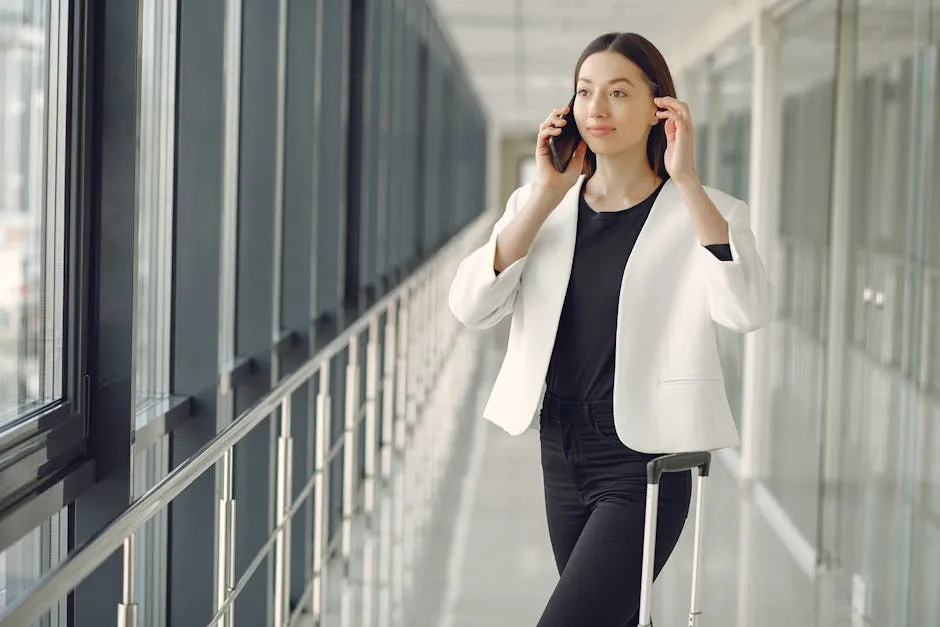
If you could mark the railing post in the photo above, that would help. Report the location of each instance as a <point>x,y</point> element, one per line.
<point>225,549</point>
<point>401,372</point>
<point>389,382</point>
<point>283,500</point>
<point>371,462</point>
<point>399,489</point>
<point>372,385</point>
<point>320,511</point>
<point>349,449</point>
<point>127,609</point>
<point>389,405</point>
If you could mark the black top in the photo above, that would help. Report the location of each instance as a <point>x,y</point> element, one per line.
<point>582,363</point>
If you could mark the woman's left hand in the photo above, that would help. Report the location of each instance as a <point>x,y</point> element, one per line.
<point>680,138</point>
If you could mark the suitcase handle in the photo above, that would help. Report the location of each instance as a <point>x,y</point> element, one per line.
<point>678,462</point>
<point>673,462</point>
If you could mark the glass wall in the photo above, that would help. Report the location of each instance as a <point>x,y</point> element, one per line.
<point>33,236</point>
<point>154,275</point>
<point>32,219</point>
<point>848,440</point>
<point>797,352</point>
<point>886,527</point>
<point>730,88</point>
<point>308,155</point>
<point>719,91</point>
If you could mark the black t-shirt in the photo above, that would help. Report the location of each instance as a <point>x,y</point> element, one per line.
<point>582,363</point>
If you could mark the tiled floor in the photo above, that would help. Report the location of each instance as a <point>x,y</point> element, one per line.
<point>485,560</point>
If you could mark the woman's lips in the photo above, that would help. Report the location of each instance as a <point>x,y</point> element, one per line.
<point>600,131</point>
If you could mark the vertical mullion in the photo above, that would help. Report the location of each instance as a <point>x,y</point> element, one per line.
<point>381,183</point>
<point>367,153</point>
<point>278,200</point>
<point>231,111</point>
<point>399,154</point>
<point>168,217</point>
<point>343,146</point>
<point>280,489</point>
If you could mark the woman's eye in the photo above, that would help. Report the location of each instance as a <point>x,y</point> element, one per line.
<point>619,93</point>
<point>582,92</point>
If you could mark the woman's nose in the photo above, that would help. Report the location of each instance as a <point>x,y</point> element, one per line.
<point>596,108</point>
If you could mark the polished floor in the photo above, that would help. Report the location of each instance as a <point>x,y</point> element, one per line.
<point>481,556</point>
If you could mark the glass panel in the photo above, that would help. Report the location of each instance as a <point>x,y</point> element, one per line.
<point>886,300</point>
<point>155,182</point>
<point>152,316</point>
<point>35,554</point>
<point>32,220</point>
<point>919,588</point>
<point>797,335</point>
<point>729,153</point>
<point>150,467</point>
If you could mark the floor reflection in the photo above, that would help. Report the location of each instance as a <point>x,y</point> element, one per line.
<point>479,554</point>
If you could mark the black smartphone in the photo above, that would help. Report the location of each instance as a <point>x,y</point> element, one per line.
<point>563,145</point>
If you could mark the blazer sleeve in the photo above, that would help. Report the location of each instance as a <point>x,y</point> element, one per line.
<point>740,294</point>
<point>479,297</point>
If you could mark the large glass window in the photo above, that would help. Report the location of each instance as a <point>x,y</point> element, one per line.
<point>155,181</point>
<point>885,519</point>
<point>32,216</point>
<point>33,45</point>
<point>28,559</point>
<point>807,58</point>
<point>152,314</point>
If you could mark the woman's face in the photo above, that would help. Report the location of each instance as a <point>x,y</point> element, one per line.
<point>614,106</point>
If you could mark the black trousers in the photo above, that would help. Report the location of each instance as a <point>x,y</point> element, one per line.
<point>595,500</point>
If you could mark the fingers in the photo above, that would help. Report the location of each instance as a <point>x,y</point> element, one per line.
<point>555,119</point>
<point>552,125</point>
<point>673,109</point>
<point>668,102</point>
<point>545,134</point>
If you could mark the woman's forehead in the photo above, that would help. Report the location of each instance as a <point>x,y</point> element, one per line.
<point>608,67</point>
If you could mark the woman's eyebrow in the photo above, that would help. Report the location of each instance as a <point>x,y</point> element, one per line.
<point>610,82</point>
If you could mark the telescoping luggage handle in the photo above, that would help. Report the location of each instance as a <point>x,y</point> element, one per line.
<point>676,462</point>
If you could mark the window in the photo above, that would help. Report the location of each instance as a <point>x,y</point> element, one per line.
<point>156,104</point>
<point>155,199</point>
<point>25,561</point>
<point>32,211</point>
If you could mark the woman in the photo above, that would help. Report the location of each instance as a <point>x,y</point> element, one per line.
<point>615,273</point>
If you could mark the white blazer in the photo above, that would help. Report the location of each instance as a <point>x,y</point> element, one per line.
<point>669,393</point>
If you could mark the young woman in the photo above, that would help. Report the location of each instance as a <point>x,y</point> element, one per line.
<point>615,273</point>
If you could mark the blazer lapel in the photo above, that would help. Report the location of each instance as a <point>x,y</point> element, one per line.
<point>653,236</point>
<point>643,303</point>
<point>545,286</point>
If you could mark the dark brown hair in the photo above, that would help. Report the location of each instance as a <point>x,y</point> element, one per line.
<point>648,58</point>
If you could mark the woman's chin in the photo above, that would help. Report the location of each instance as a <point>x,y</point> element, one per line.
<point>606,148</point>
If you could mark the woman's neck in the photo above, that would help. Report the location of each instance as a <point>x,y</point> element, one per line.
<point>623,180</point>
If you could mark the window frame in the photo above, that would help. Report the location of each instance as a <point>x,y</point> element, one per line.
<point>43,453</point>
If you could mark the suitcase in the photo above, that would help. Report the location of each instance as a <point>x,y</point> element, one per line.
<point>676,462</point>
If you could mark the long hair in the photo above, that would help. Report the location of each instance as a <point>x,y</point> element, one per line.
<point>648,58</point>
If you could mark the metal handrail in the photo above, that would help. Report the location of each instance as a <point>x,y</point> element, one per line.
<point>59,581</point>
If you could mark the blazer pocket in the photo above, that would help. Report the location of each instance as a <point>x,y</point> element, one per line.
<point>688,379</point>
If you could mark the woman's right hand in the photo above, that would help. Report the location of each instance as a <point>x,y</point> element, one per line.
<point>547,177</point>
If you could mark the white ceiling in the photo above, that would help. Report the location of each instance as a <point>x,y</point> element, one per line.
<point>521,53</point>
